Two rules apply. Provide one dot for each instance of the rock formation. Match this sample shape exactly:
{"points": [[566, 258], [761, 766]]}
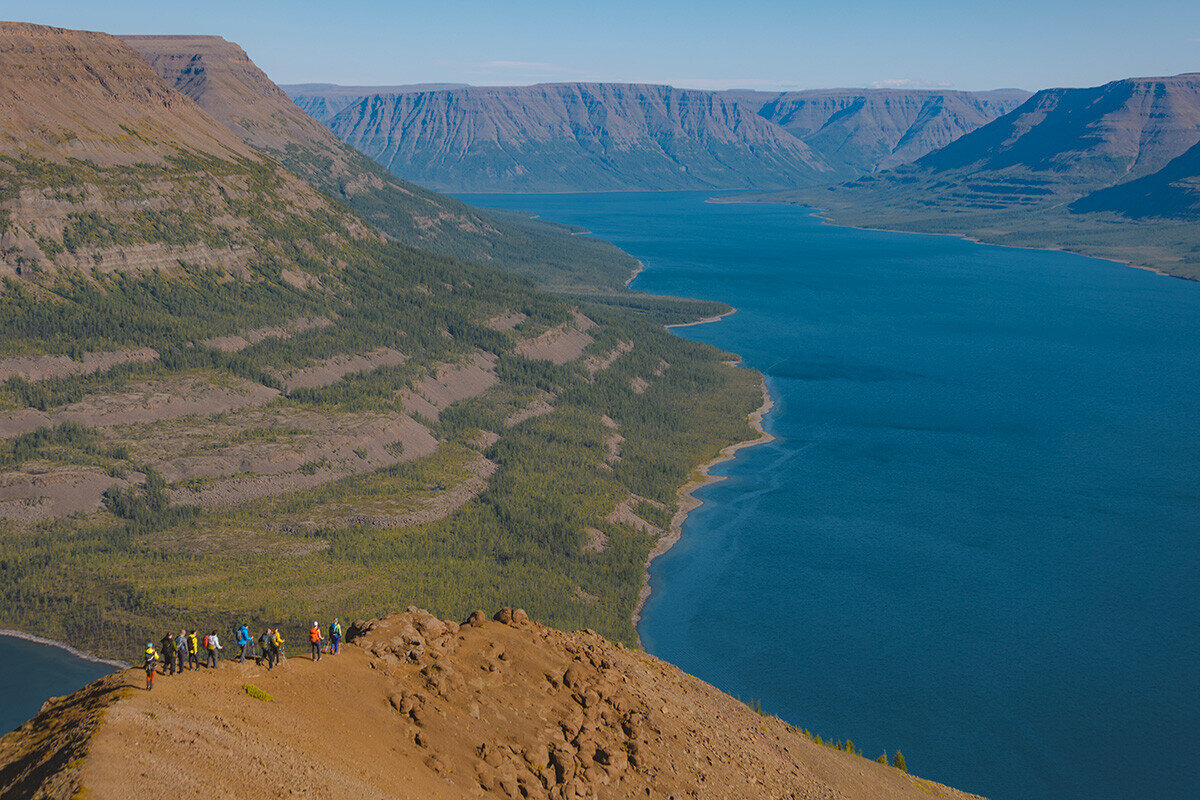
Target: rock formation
{"points": [[416, 708]]}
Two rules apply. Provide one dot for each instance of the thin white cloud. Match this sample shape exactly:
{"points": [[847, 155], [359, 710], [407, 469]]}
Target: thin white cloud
{"points": [[910, 83], [526, 66]]}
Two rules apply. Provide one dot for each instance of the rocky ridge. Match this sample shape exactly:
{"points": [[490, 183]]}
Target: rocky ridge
{"points": [[417, 707]]}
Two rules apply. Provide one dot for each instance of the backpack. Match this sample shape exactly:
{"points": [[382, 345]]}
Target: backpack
{"points": [[206, 638]]}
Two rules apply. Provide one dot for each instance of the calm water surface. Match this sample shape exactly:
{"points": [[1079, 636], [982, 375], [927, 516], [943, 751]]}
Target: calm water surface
{"points": [[975, 538], [31, 673]]}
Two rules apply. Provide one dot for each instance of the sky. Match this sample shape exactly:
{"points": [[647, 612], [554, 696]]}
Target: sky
{"points": [[751, 44]]}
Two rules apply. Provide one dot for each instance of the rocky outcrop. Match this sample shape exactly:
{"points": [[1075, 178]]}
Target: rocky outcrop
{"points": [[417, 707]]}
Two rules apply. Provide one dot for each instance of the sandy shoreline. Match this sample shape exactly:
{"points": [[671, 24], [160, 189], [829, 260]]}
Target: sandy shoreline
{"points": [[29, 637], [688, 502], [638, 270], [704, 321]]}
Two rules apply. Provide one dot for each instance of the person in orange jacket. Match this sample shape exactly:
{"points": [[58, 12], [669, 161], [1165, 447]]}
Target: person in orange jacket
{"points": [[315, 638]]}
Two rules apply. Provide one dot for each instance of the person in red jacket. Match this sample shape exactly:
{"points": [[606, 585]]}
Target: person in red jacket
{"points": [[315, 638]]}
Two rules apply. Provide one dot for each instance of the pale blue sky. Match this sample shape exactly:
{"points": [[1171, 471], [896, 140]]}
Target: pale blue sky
{"points": [[768, 44]]}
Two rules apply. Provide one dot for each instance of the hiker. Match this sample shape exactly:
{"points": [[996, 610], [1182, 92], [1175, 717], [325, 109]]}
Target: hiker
{"points": [[213, 645], [150, 660], [267, 640], [167, 647], [193, 645], [181, 650], [244, 640], [315, 638], [335, 636], [279, 656]]}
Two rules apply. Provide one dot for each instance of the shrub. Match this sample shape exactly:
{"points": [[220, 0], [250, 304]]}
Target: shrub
{"points": [[257, 693]]}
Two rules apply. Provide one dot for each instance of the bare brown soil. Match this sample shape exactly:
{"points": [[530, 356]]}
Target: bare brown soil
{"points": [[440, 505], [538, 407], [624, 514], [449, 384], [561, 344], [418, 708], [594, 364], [240, 341], [39, 368], [332, 370], [42, 491], [505, 322]]}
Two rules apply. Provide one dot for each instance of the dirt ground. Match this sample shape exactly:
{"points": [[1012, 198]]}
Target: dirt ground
{"points": [[419, 708], [561, 344]]}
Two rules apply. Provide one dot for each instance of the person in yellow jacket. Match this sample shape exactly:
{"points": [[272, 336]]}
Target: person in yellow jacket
{"points": [[279, 659], [193, 648], [150, 661]]}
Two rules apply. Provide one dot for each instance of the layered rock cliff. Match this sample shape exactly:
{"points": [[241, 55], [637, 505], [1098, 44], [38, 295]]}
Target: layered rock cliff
{"points": [[859, 131], [421, 708], [107, 168], [222, 80], [570, 137]]}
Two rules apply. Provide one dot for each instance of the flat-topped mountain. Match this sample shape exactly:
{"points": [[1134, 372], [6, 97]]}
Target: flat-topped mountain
{"points": [[420, 708], [578, 136], [562, 137], [1063, 143], [109, 168], [859, 131], [223, 81], [1108, 170], [322, 101]]}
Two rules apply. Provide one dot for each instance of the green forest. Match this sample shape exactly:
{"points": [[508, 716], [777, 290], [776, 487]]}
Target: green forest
{"points": [[112, 579]]}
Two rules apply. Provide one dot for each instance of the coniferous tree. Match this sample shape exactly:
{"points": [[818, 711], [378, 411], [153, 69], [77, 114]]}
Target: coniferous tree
{"points": [[898, 762]]}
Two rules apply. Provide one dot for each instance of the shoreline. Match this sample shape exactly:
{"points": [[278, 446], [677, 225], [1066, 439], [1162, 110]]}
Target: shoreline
{"points": [[638, 270], [29, 637], [825, 216], [704, 321], [686, 495]]}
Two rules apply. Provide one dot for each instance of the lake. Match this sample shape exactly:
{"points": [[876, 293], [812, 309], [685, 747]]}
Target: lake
{"points": [[31, 673], [975, 537]]}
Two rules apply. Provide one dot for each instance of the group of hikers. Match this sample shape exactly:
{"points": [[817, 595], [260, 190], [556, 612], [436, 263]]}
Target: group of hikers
{"points": [[179, 651]]}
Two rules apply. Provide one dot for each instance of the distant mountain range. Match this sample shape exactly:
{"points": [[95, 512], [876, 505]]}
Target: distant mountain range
{"points": [[593, 137], [223, 81], [1112, 170], [865, 130]]}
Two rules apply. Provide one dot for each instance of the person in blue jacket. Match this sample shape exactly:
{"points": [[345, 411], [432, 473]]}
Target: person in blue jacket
{"points": [[335, 636], [244, 640], [181, 650]]}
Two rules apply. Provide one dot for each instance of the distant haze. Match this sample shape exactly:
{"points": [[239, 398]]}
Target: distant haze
{"points": [[768, 45]]}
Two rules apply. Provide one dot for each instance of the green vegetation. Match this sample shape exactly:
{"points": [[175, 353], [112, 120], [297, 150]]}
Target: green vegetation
{"points": [[257, 693]]}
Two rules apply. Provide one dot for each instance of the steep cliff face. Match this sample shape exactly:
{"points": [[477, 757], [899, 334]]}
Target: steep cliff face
{"points": [[421, 708], [222, 79], [106, 167], [1056, 147], [562, 137], [863, 130], [322, 101], [1069, 141]]}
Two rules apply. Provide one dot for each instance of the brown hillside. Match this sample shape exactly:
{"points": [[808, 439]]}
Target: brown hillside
{"points": [[419, 708], [104, 166]]}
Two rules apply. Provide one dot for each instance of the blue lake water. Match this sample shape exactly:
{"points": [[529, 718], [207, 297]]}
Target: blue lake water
{"points": [[976, 537], [31, 673]]}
